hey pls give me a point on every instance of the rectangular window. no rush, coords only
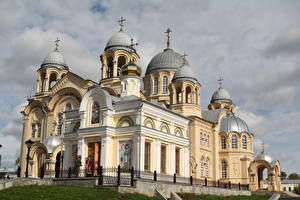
(39, 131)
(33, 130)
(163, 159)
(177, 158)
(155, 85)
(147, 156)
(223, 142)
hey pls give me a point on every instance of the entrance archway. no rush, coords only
(38, 155)
(59, 164)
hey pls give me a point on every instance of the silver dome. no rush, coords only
(220, 96)
(264, 157)
(120, 40)
(168, 60)
(185, 73)
(55, 59)
(51, 142)
(232, 123)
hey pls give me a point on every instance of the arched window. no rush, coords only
(60, 123)
(149, 123)
(125, 122)
(110, 65)
(223, 142)
(164, 128)
(155, 85)
(234, 142)
(95, 113)
(244, 141)
(38, 130)
(188, 95)
(43, 79)
(207, 167)
(121, 62)
(224, 169)
(202, 167)
(165, 84)
(178, 95)
(68, 107)
(52, 80)
(148, 87)
(33, 130)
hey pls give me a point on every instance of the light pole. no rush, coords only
(0, 155)
(28, 143)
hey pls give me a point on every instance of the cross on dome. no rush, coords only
(121, 22)
(132, 44)
(168, 31)
(220, 81)
(184, 57)
(263, 146)
(56, 44)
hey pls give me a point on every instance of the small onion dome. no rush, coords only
(232, 123)
(221, 96)
(55, 59)
(185, 73)
(120, 40)
(51, 142)
(168, 60)
(265, 157)
(131, 69)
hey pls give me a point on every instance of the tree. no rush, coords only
(294, 176)
(283, 175)
(297, 189)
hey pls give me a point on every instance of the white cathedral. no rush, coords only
(159, 127)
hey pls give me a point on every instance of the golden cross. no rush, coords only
(168, 31)
(121, 22)
(220, 81)
(56, 44)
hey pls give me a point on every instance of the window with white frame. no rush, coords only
(223, 142)
(244, 141)
(224, 169)
(165, 84)
(155, 85)
(234, 142)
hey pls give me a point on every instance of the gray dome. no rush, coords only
(168, 60)
(265, 157)
(55, 59)
(221, 95)
(185, 73)
(120, 40)
(232, 123)
(51, 142)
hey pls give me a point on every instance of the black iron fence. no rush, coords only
(128, 176)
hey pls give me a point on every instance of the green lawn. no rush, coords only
(210, 197)
(65, 193)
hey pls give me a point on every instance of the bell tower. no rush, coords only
(117, 53)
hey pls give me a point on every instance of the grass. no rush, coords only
(211, 197)
(35, 192)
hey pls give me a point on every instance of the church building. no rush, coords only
(152, 123)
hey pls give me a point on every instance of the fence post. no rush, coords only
(205, 181)
(100, 176)
(191, 180)
(239, 186)
(218, 183)
(69, 172)
(132, 176)
(119, 175)
(174, 178)
(229, 185)
(155, 176)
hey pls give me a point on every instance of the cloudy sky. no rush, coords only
(254, 45)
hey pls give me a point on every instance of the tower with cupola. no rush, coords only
(51, 71)
(117, 53)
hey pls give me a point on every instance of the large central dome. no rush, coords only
(168, 60)
(232, 123)
(120, 40)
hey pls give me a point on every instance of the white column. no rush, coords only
(158, 155)
(171, 159)
(68, 155)
(82, 146)
(105, 151)
(142, 149)
(186, 162)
